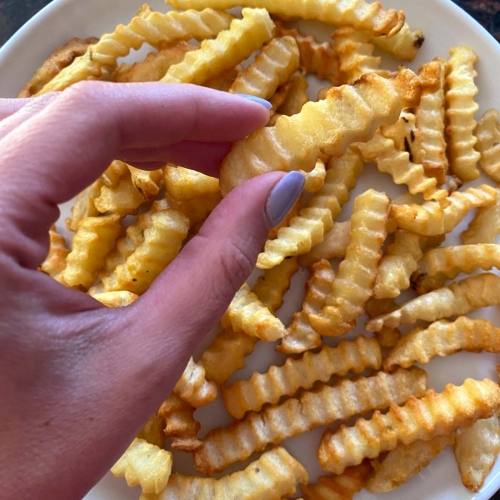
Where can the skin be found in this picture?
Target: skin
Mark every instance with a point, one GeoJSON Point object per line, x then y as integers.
{"type": "Point", "coordinates": [78, 380]}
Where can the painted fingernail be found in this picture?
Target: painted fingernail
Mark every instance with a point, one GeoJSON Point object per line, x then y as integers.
{"type": "Point", "coordinates": [258, 100]}
{"type": "Point", "coordinates": [283, 197]}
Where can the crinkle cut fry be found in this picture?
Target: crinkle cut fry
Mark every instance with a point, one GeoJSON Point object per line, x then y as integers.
{"type": "Point", "coordinates": [484, 227]}
{"type": "Point", "coordinates": [326, 128]}
{"type": "Point", "coordinates": [404, 45]}
{"type": "Point", "coordinates": [488, 143]}
{"type": "Point", "coordinates": [356, 13]}
{"type": "Point", "coordinates": [274, 474]}
{"type": "Point", "coordinates": [148, 27]}
{"type": "Point", "coordinates": [228, 49]}
{"type": "Point", "coordinates": [436, 414]}
{"type": "Point", "coordinates": [116, 299]}
{"type": "Point", "coordinates": [353, 285]}
{"type": "Point", "coordinates": [193, 387]}
{"type": "Point", "coordinates": [443, 338]}
{"type": "Point", "coordinates": [55, 262]}
{"type": "Point", "coordinates": [325, 405]}
{"type": "Point", "coordinates": [285, 380]}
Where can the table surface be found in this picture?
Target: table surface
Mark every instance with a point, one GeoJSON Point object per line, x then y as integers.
{"type": "Point", "coordinates": [14, 13]}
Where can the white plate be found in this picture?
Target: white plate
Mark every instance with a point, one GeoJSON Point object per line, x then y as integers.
{"type": "Point", "coordinates": [444, 25]}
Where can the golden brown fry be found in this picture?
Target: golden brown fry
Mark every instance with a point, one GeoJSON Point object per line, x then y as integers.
{"type": "Point", "coordinates": [436, 414]}
{"type": "Point", "coordinates": [460, 113]}
{"type": "Point", "coordinates": [441, 264]}
{"type": "Point", "coordinates": [193, 387]}
{"type": "Point", "coordinates": [148, 183]}
{"type": "Point", "coordinates": [349, 113]}
{"type": "Point", "coordinates": [353, 285]}
{"type": "Point", "coordinates": [296, 96]}
{"type": "Point", "coordinates": [152, 432]}
{"type": "Point", "coordinates": [355, 13]}
{"type": "Point", "coordinates": [55, 262]}
{"type": "Point", "coordinates": [146, 465]}
{"type": "Point", "coordinates": [301, 335]}
{"type": "Point", "coordinates": [273, 67]}
{"type": "Point", "coordinates": [433, 217]}
{"type": "Point", "coordinates": [224, 446]}
{"type": "Point", "coordinates": [404, 45]}
{"type": "Point", "coordinates": [461, 297]}
{"type": "Point", "coordinates": [386, 337]}
{"type": "Point", "coordinates": [116, 299]}
{"type": "Point", "coordinates": [405, 461]}
{"type": "Point", "coordinates": [484, 227]}
{"type": "Point", "coordinates": [315, 179]}
{"type": "Point", "coordinates": [84, 205]}
{"type": "Point", "coordinates": [274, 474]}
{"type": "Point", "coordinates": [342, 487]}
{"type": "Point", "coordinates": [285, 380]}
{"type": "Point", "coordinates": [488, 143]}
{"type": "Point", "coordinates": [231, 47]}
{"type": "Point", "coordinates": [443, 338]}
{"type": "Point", "coordinates": [476, 451]}
{"type": "Point", "coordinates": [224, 81]}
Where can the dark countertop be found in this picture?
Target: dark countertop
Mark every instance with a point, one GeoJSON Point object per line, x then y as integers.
{"type": "Point", "coordinates": [14, 13]}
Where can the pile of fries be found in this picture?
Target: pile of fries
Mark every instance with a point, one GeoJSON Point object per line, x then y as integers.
{"type": "Point", "coordinates": [418, 128]}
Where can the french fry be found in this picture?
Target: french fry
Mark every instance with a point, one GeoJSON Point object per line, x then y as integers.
{"type": "Point", "coordinates": [116, 299]}
{"type": "Point", "coordinates": [152, 432]}
{"type": "Point", "coordinates": [443, 338]}
{"type": "Point", "coordinates": [274, 474]}
{"type": "Point", "coordinates": [147, 27]}
{"type": "Point", "coordinates": [228, 49]}
{"type": "Point", "coordinates": [285, 380]}
{"type": "Point", "coordinates": [325, 405]}
{"type": "Point", "coordinates": [441, 264]}
{"type": "Point", "coordinates": [94, 239]}
{"type": "Point", "coordinates": [296, 96]}
{"type": "Point", "coordinates": [484, 227]}
{"type": "Point", "coordinates": [488, 143]}
{"type": "Point", "coordinates": [148, 183]}
{"type": "Point", "coordinates": [461, 297]}
{"type": "Point", "coordinates": [353, 285]}
{"type": "Point", "coordinates": [224, 80]}
{"type": "Point", "coordinates": [316, 218]}
{"type": "Point", "coordinates": [84, 205]}
{"type": "Point", "coordinates": [55, 262]}
{"type": "Point", "coordinates": [301, 336]}
{"type": "Point", "coordinates": [315, 179]}
{"type": "Point", "coordinates": [404, 45]}
{"type": "Point", "coordinates": [146, 465]}
{"type": "Point", "coordinates": [433, 217]}
{"type": "Point", "coordinates": [476, 450]}
{"type": "Point", "coordinates": [273, 67]}
{"type": "Point", "coordinates": [405, 461]}
{"type": "Point", "coordinates": [436, 414]}
{"type": "Point", "coordinates": [386, 337]}
{"type": "Point", "coordinates": [193, 387]}
{"type": "Point", "coordinates": [355, 13]}
{"type": "Point", "coordinates": [349, 113]}
{"type": "Point", "coordinates": [460, 111]}
{"type": "Point", "coordinates": [342, 487]}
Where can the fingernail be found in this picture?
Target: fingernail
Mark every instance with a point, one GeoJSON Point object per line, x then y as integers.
{"type": "Point", "coordinates": [258, 100]}
{"type": "Point", "coordinates": [283, 197]}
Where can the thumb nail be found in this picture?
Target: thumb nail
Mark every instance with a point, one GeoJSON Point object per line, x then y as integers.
{"type": "Point", "coordinates": [258, 100]}
{"type": "Point", "coordinates": [283, 197]}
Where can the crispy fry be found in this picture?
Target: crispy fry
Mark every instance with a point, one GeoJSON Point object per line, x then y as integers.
{"type": "Point", "coordinates": [461, 297]}
{"type": "Point", "coordinates": [146, 465]}
{"type": "Point", "coordinates": [433, 218]}
{"type": "Point", "coordinates": [231, 47]}
{"type": "Point", "coordinates": [355, 13]}
{"type": "Point", "coordinates": [488, 143]}
{"type": "Point", "coordinates": [273, 67]}
{"type": "Point", "coordinates": [285, 380]}
{"type": "Point", "coordinates": [484, 227]}
{"type": "Point", "coordinates": [148, 183]}
{"type": "Point", "coordinates": [147, 27]}
{"type": "Point", "coordinates": [405, 461]}
{"type": "Point", "coordinates": [301, 335]}
{"type": "Point", "coordinates": [436, 414]}
{"type": "Point", "coordinates": [274, 474]}
{"type": "Point", "coordinates": [476, 450]}
{"type": "Point", "coordinates": [152, 432]}
{"type": "Point", "coordinates": [84, 205]}
{"type": "Point", "coordinates": [353, 285]}
{"type": "Point", "coordinates": [443, 338]}
{"type": "Point", "coordinates": [460, 113]}
{"type": "Point", "coordinates": [224, 446]}
{"type": "Point", "coordinates": [193, 387]}
{"type": "Point", "coordinates": [404, 45]}
{"type": "Point", "coordinates": [386, 337]}
{"type": "Point", "coordinates": [116, 299]}
{"type": "Point", "coordinates": [296, 96]}
{"type": "Point", "coordinates": [55, 262]}
{"type": "Point", "coordinates": [349, 113]}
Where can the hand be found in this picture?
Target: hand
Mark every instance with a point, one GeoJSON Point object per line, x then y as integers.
{"type": "Point", "coordinates": [78, 380]}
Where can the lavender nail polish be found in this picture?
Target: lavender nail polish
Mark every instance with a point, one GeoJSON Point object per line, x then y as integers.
{"type": "Point", "coordinates": [258, 100]}
{"type": "Point", "coordinates": [283, 197]}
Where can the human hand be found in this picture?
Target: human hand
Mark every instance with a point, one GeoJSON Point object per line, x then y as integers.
{"type": "Point", "coordinates": [78, 380]}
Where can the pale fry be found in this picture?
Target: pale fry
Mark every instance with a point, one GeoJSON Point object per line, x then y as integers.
{"type": "Point", "coordinates": [146, 465]}
{"type": "Point", "coordinates": [116, 299]}
{"type": "Point", "coordinates": [443, 338]}
{"type": "Point", "coordinates": [433, 218]}
{"type": "Point", "coordinates": [405, 461]}
{"type": "Point", "coordinates": [476, 451]}
{"type": "Point", "coordinates": [193, 387]}
{"type": "Point", "coordinates": [315, 179]}
{"type": "Point", "coordinates": [404, 45]}
{"type": "Point", "coordinates": [274, 474]}
{"type": "Point", "coordinates": [273, 67]}
{"type": "Point", "coordinates": [460, 111]}
{"type": "Point", "coordinates": [436, 414]}
{"type": "Point", "coordinates": [353, 285]}
{"type": "Point", "coordinates": [55, 262]}
{"type": "Point", "coordinates": [325, 405]}
{"type": "Point", "coordinates": [484, 227]}
{"type": "Point", "coordinates": [183, 184]}
{"type": "Point", "coordinates": [228, 49]}
{"type": "Point", "coordinates": [441, 264]}
{"type": "Point", "coordinates": [355, 13]}
{"type": "Point", "coordinates": [488, 143]}
{"type": "Point", "coordinates": [461, 297]}
{"type": "Point", "coordinates": [285, 380]}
